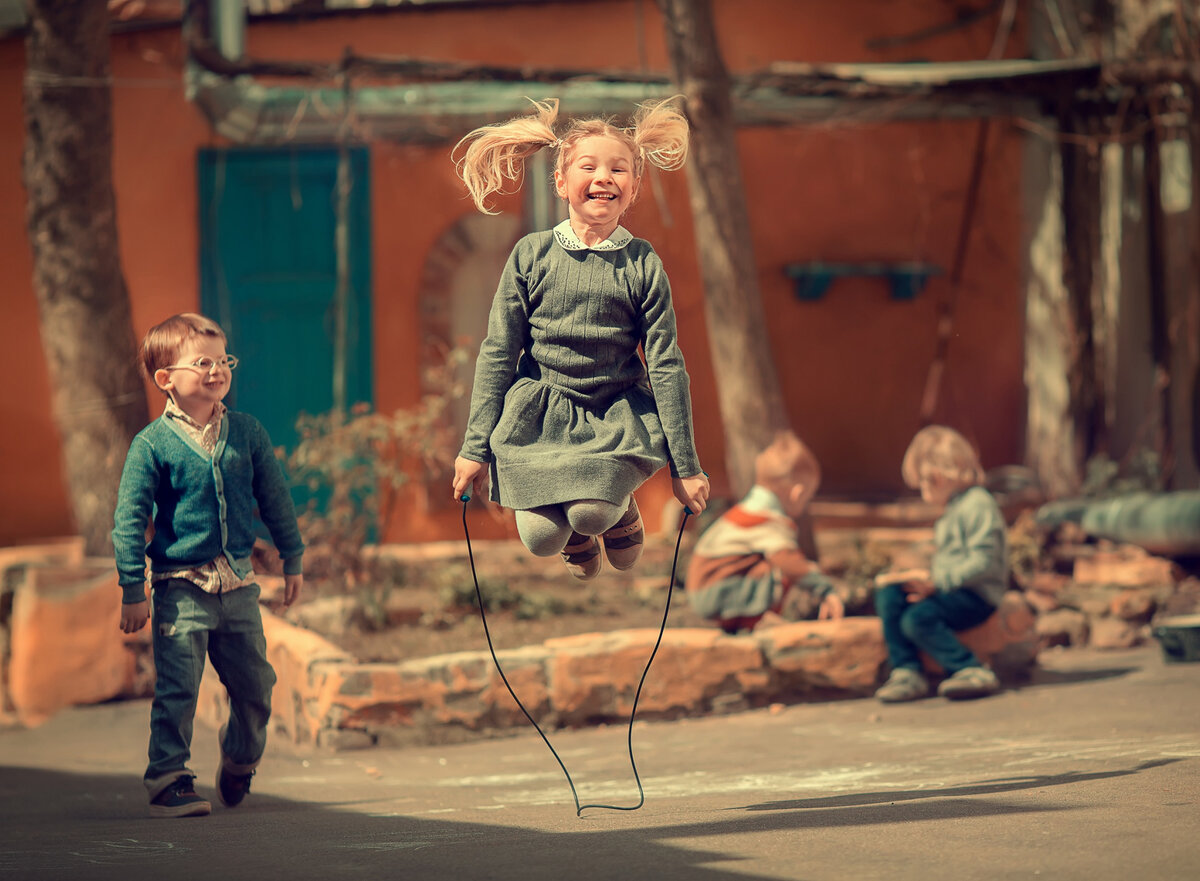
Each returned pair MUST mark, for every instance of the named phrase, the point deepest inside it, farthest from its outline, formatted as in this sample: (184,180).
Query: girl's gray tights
(545,530)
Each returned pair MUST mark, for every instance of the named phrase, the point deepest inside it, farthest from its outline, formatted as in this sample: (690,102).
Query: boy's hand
(291,589)
(901,576)
(692,492)
(469,474)
(918,589)
(832,608)
(134,616)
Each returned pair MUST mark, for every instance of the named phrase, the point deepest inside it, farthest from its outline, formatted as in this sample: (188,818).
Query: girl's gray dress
(563,407)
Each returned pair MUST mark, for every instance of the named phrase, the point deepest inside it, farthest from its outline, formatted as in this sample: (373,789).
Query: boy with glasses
(198,472)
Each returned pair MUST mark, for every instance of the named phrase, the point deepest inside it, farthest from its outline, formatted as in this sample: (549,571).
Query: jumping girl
(564,411)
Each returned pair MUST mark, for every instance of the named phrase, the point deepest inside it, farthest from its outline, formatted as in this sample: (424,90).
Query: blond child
(198,472)
(922,609)
(747,568)
(564,414)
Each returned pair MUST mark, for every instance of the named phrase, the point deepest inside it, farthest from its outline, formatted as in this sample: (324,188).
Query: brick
(1136,605)
(594,677)
(1062,627)
(1113,633)
(825,658)
(66,645)
(1127,566)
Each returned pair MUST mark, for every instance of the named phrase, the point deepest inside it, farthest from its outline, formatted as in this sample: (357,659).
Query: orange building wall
(852,365)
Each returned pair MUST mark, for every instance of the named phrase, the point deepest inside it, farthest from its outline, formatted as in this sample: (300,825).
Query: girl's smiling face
(598,182)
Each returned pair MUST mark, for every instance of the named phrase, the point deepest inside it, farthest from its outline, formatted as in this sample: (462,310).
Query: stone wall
(325,698)
(1110,597)
(60,638)
(60,644)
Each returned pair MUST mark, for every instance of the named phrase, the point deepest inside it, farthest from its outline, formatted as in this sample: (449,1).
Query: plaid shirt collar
(205,434)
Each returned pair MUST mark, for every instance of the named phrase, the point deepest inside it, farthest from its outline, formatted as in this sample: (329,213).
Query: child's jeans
(188,624)
(929,626)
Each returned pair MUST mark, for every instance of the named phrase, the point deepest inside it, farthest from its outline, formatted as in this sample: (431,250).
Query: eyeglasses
(206,364)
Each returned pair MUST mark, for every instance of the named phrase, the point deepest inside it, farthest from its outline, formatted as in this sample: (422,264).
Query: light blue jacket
(971,546)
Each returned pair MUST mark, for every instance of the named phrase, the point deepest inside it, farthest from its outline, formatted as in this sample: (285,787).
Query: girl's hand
(469,474)
(692,492)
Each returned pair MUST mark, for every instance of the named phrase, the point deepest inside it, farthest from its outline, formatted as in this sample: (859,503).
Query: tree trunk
(1081,221)
(1156,290)
(1192,310)
(748,391)
(86,326)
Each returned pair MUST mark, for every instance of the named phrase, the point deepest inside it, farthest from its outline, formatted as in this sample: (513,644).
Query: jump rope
(579,809)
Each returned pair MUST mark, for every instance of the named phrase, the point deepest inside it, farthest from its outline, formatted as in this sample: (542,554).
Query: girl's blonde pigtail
(660,132)
(495,154)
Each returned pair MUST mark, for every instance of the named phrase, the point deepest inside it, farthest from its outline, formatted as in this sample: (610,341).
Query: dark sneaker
(232,788)
(179,799)
(969,682)
(582,556)
(903,685)
(623,543)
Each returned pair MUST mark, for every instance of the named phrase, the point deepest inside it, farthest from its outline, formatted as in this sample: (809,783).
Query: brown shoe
(623,543)
(582,556)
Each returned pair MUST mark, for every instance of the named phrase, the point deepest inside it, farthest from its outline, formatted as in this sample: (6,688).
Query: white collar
(763,501)
(567,238)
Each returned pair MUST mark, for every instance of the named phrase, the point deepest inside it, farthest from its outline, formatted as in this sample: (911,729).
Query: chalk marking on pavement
(108,853)
(300,781)
(1033,746)
(426,839)
(704,783)
(498,779)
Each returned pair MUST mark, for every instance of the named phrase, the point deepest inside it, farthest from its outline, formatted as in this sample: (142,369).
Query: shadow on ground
(95,827)
(986,787)
(1043,676)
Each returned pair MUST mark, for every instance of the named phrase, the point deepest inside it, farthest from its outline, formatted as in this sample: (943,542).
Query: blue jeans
(929,626)
(188,624)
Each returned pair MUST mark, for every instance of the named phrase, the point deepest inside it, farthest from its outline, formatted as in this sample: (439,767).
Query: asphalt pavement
(1091,771)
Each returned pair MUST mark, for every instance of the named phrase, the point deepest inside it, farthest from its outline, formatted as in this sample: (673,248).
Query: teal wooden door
(268,275)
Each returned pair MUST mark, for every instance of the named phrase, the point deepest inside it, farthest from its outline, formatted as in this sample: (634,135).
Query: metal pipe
(229,28)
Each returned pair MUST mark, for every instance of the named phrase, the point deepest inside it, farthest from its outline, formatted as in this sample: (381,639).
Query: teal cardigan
(202,506)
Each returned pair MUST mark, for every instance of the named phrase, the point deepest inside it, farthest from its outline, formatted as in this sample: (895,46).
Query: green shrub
(354,466)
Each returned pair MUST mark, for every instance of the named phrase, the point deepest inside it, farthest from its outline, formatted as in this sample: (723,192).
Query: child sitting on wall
(747,568)
(923,609)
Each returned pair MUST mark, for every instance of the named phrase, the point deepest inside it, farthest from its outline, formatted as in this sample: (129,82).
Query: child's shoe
(233,780)
(969,682)
(232,788)
(623,542)
(582,556)
(179,799)
(903,685)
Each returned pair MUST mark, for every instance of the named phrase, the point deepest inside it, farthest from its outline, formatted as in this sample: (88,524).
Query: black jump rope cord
(579,809)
